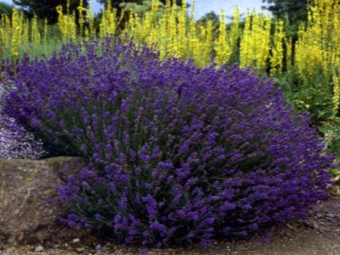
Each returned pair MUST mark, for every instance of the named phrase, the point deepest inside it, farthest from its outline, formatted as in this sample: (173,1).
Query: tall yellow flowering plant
(255,41)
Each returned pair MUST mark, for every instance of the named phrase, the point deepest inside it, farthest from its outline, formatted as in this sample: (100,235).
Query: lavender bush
(14,142)
(178,154)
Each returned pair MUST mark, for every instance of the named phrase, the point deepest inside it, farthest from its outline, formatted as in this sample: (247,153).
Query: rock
(25,186)
(38,248)
(76,240)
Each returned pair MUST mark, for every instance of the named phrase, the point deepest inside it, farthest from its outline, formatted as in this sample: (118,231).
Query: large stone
(25,186)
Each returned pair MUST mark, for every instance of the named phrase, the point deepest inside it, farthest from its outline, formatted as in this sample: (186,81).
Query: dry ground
(319,234)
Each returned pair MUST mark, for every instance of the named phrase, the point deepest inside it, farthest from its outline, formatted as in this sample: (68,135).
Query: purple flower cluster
(178,154)
(15,142)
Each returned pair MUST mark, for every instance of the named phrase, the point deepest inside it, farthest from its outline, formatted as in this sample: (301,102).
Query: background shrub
(178,154)
(15,142)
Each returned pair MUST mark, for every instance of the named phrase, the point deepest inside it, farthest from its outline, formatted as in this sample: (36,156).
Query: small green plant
(314,96)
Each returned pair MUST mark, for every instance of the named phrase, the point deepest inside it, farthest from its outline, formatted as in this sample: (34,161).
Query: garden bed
(318,234)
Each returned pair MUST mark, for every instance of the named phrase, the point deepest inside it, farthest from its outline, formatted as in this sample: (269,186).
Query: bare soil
(318,234)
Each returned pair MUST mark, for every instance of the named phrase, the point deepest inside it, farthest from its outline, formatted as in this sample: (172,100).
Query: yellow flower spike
(5,39)
(173,31)
(16,33)
(25,39)
(61,22)
(336,96)
(163,38)
(265,31)
(192,36)
(68,7)
(81,20)
(16,41)
(45,31)
(182,39)
(73,27)
(246,42)
(277,49)
(235,29)
(319,42)
(254,46)
(35,31)
(222,48)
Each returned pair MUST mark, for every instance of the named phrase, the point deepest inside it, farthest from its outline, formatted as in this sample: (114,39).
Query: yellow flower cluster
(5,33)
(222,48)
(318,44)
(336,96)
(173,33)
(169,29)
(16,33)
(289,53)
(276,58)
(254,47)
(66,24)
(108,23)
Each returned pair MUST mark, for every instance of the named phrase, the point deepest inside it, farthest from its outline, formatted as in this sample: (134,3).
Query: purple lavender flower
(98,217)
(15,142)
(194,152)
